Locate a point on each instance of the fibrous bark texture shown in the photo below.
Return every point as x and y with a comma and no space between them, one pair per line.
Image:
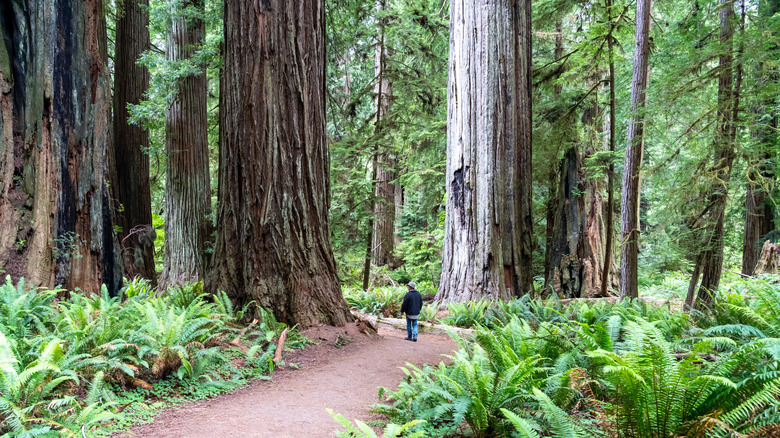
187,186
487,240
758,220
629,211
55,221
579,234
130,177
273,241
769,262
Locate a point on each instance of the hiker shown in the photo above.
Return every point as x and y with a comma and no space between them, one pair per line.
411,307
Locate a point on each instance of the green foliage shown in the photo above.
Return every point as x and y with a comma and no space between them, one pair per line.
469,313
589,369
23,311
383,301
53,353
362,430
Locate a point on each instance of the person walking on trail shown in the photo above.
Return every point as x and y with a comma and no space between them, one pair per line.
411,307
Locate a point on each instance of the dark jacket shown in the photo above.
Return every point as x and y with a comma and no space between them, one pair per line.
412,303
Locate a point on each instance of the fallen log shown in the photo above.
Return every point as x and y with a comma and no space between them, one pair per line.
422,326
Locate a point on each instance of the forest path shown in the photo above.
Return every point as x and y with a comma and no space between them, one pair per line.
293,404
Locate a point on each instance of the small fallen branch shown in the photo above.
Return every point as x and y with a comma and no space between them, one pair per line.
237,340
280,346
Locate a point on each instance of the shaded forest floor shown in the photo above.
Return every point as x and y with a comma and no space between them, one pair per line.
342,373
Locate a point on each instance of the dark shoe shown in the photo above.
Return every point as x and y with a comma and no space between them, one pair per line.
415,339
407,339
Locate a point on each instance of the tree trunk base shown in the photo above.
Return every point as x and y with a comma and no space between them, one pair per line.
769,261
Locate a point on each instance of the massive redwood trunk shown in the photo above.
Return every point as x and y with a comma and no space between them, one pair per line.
273,243
487,240
629,210
130,177
55,220
187,185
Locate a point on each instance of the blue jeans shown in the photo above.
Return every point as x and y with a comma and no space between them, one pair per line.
411,328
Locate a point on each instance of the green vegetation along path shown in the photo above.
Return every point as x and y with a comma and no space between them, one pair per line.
344,378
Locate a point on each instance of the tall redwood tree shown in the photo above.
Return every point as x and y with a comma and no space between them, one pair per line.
187,183
487,237
130,176
629,208
55,220
273,242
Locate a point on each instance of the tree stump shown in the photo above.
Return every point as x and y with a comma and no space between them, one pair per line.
769,261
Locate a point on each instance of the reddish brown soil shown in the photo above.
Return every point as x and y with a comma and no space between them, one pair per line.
292,405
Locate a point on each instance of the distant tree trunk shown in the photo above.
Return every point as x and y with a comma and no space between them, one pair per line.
187,186
398,195
487,239
597,230
55,218
759,211
273,242
609,230
629,210
578,237
758,217
711,257
551,206
567,242
383,241
130,183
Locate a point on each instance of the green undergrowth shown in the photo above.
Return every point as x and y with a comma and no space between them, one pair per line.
76,365
538,368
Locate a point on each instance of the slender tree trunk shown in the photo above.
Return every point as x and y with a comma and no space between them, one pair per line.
487,239
759,211
629,211
711,258
551,206
384,200
55,218
273,243
398,195
130,184
608,258
187,187
370,237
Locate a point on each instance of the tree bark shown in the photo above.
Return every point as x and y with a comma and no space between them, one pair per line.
579,233
187,188
759,211
130,177
567,242
487,239
55,218
711,257
629,210
273,242
608,257
383,241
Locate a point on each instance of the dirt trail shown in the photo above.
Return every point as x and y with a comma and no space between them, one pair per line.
293,404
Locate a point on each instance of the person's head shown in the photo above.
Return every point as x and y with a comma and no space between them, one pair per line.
410,285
